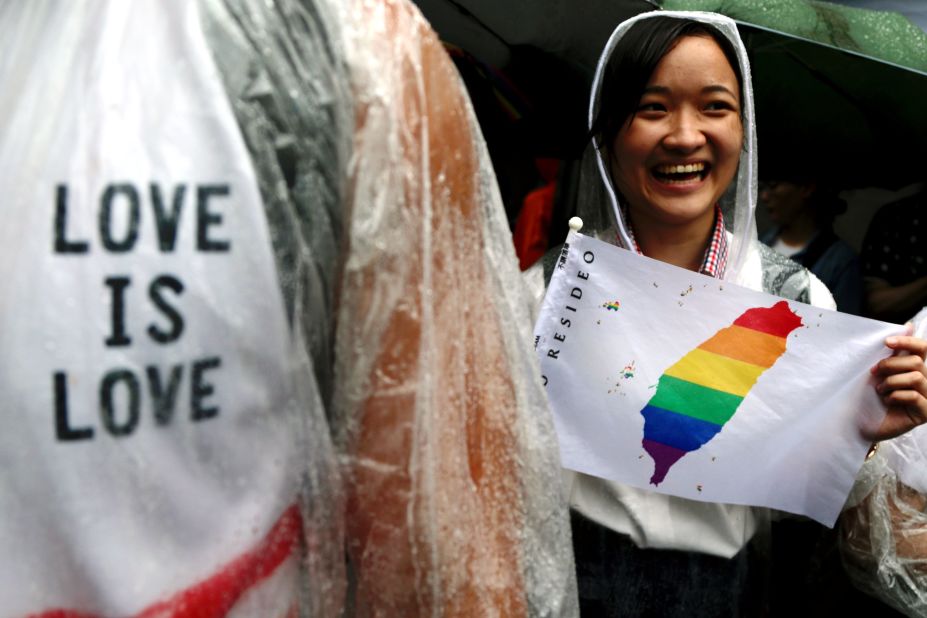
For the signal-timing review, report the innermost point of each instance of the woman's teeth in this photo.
(679, 173)
(681, 169)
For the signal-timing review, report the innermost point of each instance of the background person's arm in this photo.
(894, 303)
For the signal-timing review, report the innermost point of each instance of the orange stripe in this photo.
(747, 345)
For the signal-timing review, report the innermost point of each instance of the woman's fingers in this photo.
(915, 380)
(903, 343)
(903, 388)
(899, 364)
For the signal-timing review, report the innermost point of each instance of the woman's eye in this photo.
(651, 107)
(715, 106)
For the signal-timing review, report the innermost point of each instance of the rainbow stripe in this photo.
(702, 391)
(612, 305)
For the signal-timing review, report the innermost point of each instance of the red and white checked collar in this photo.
(715, 260)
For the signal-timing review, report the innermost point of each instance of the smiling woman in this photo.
(670, 172)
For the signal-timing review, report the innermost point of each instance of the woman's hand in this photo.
(903, 387)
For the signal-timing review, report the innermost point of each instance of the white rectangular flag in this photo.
(667, 379)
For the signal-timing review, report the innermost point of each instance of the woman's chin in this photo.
(676, 212)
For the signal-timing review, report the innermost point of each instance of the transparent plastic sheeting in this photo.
(454, 505)
(165, 450)
(233, 230)
(883, 538)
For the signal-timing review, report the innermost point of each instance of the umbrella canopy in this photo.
(915, 10)
(839, 91)
(885, 35)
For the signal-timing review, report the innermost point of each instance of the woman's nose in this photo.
(684, 133)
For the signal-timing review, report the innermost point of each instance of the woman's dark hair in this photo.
(632, 62)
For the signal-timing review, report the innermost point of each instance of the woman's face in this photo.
(679, 152)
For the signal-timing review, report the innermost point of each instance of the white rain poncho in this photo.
(230, 225)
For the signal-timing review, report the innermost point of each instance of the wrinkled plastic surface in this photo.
(363, 195)
(284, 69)
(167, 449)
(454, 505)
(884, 538)
(359, 194)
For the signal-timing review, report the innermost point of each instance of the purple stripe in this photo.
(664, 456)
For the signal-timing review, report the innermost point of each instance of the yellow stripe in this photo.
(717, 372)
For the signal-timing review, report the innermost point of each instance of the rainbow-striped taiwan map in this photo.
(700, 393)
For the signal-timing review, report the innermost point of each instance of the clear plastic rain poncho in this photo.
(883, 537)
(229, 227)
(883, 533)
(454, 506)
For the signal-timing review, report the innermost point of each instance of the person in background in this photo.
(532, 227)
(247, 369)
(803, 212)
(894, 261)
